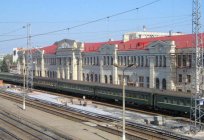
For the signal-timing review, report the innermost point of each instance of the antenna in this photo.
(196, 99)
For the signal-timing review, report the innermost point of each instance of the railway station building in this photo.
(162, 61)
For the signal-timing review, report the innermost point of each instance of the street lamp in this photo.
(123, 68)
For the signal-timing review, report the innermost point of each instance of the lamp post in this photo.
(123, 117)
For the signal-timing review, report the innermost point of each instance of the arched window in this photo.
(106, 79)
(53, 74)
(91, 77)
(87, 77)
(164, 84)
(111, 79)
(83, 77)
(157, 83)
(96, 78)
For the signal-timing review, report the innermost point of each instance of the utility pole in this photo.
(29, 80)
(196, 99)
(28, 67)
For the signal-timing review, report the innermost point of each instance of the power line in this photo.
(86, 23)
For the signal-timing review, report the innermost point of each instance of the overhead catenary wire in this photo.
(86, 23)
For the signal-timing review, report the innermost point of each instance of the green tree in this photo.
(6, 63)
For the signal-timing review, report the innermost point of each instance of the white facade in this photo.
(144, 34)
(15, 54)
(161, 64)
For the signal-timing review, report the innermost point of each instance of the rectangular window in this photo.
(147, 80)
(164, 61)
(184, 60)
(141, 81)
(179, 61)
(189, 60)
(180, 78)
(160, 61)
(188, 78)
(189, 91)
(156, 64)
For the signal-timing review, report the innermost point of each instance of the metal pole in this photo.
(24, 80)
(123, 105)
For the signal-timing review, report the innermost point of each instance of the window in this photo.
(138, 60)
(83, 77)
(180, 90)
(97, 60)
(142, 61)
(106, 79)
(96, 78)
(164, 61)
(188, 78)
(14, 52)
(91, 77)
(125, 61)
(87, 77)
(189, 91)
(179, 61)
(141, 81)
(147, 80)
(164, 84)
(184, 60)
(104, 60)
(111, 79)
(156, 65)
(189, 60)
(147, 62)
(157, 83)
(160, 61)
(180, 78)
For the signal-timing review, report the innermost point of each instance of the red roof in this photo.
(181, 41)
(50, 49)
(92, 47)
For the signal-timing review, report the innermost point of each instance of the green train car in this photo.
(177, 102)
(170, 101)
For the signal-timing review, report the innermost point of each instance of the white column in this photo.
(74, 67)
(101, 69)
(115, 69)
(58, 72)
(80, 69)
(42, 65)
(152, 72)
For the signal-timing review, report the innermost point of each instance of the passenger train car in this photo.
(167, 101)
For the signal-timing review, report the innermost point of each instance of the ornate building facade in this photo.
(165, 62)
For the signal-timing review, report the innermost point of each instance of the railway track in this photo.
(13, 128)
(134, 130)
(6, 135)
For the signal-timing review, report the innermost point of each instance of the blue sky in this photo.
(49, 15)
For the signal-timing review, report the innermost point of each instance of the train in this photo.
(176, 103)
